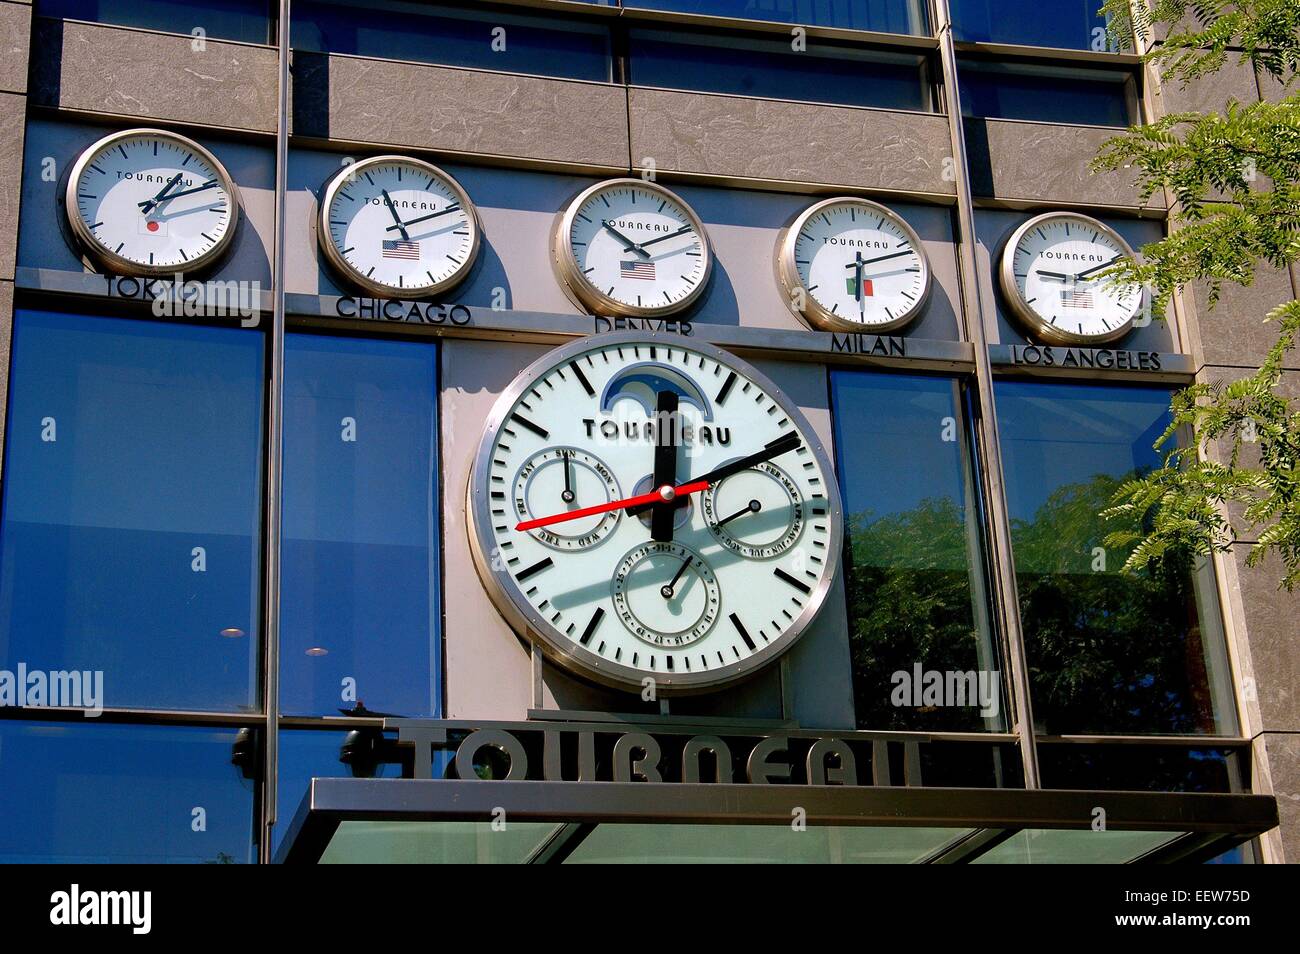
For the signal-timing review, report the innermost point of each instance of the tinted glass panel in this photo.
(83, 792)
(883, 16)
(245, 20)
(1069, 24)
(1141, 768)
(1108, 652)
(449, 36)
(913, 555)
(132, 487)
(1040, 94)
(770, 69)
(359, 600)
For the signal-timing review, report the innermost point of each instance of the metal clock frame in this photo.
(346, 271)
(524, 619)
(1037, 326)
(109, 259)
(586, 295)
(813, 313)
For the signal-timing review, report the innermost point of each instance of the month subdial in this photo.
(757, 513)
(561, 479)
(666, 594)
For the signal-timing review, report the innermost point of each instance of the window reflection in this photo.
(882, 16)
(132, 489)
(914, 570)
(245, 20)
(1108, 652)
(1086, 97)
(738, 66)
(86, 793)
(451, 36)
(1067, 24)
(359, 597)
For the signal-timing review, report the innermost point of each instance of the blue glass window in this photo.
(82, 792)
(768, 68)
(132, 506)
(1046, 94)
(245, 20)
(1108, 652)
(882, 16)
(913, 554)
(360, 608)
(1067, 24)
(450, 36)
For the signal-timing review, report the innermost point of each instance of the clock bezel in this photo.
(813, 313)
(586, 295)
(524, 619)
(105, 257)
(344, 269)
(1038, 327)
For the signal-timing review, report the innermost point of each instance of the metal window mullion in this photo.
(274, 453)
(975, 311)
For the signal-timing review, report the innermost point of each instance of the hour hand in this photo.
(392, 209)
(627, 242)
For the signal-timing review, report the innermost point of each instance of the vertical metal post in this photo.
(274, 453)
(976, 310)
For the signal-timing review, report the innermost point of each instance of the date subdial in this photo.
(757, 513)
(666, 594)
(566, 478)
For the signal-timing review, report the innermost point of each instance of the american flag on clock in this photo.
(400, 248)
(1074, 298)
(644, 270)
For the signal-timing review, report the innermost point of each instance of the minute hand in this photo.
(1096, 268)
(664, 238)
(782, 445)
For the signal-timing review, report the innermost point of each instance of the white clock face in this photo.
(852, 264)
(398, 226)
(151, 202)
(695, 592)
(1052, 275)
(631, 247)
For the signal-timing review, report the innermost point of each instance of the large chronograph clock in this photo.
(645, 507)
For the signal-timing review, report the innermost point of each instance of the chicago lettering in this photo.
(391, 309)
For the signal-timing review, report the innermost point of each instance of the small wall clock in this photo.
(398, 226)
(645, 507)
(633, 248)
(1051, 276)
(149, 202)
(849, 264)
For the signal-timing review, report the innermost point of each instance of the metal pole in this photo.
(976, 310)
(274, 453)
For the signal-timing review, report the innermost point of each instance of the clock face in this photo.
(641, 507)
(1051, 275)
(151, 202)
(393, 225)
(631, 247)
(853, 265)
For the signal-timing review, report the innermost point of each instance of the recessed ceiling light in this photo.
(231, 632)
(318, 651)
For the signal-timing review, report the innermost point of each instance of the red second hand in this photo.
(653, 497)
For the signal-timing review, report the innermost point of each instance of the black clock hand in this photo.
(424, 218)
(1096, 268)
(667, 590)
(880, 258)
(177, 195)
(754, 506)
(782, 445)
(1059, 275)
(663, 238)
(148, 205)
(665, 470)
(627, 242)
(857, 278)
(567, 495)
(392, 209)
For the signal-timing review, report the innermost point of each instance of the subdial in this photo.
(757, 513)
(560, 479)
(666, 594)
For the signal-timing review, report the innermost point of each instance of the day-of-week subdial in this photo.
(565, 479)
(666, 594)
(756, 513)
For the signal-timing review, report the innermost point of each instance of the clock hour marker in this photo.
(786, 577)
(744, 633)
(533, 570)
(592, 625)
(541, 432)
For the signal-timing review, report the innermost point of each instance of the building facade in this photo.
(243, 621)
